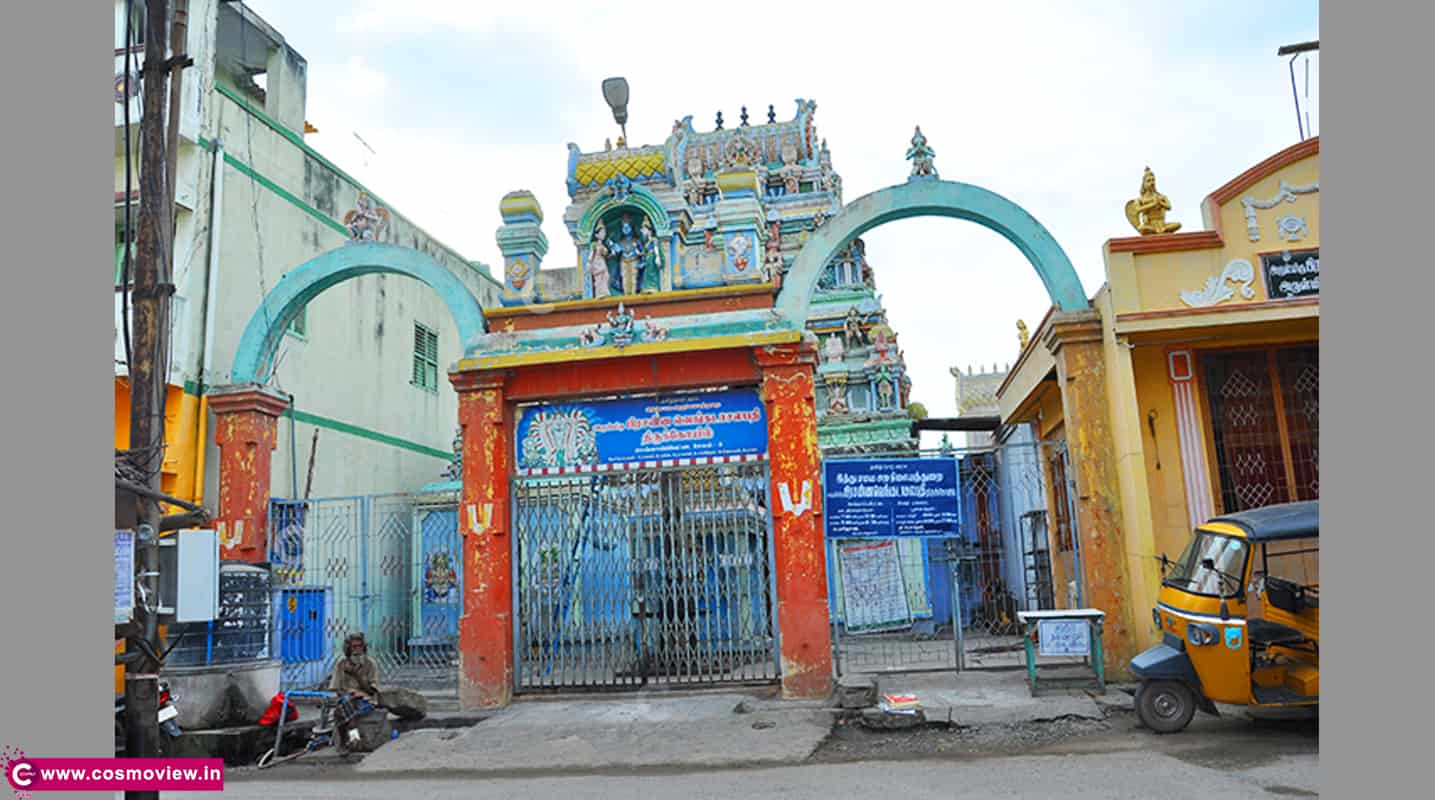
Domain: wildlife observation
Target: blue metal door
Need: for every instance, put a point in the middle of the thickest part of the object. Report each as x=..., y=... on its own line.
x=441, y=580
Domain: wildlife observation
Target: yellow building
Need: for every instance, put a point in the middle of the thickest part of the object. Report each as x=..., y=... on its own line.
x=1211, y=371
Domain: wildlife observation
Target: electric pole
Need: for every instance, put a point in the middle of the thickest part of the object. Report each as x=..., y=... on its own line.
x=148, y=375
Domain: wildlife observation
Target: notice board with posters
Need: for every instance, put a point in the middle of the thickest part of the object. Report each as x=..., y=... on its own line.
x=886, y=498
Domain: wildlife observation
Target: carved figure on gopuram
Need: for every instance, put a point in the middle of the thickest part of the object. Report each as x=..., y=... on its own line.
x=791, y=170
x=921, y=155
x=650, y=265
x=598, y=263
x=625, y=253
x=694, y=184
x=772, y=258
x=852, y=329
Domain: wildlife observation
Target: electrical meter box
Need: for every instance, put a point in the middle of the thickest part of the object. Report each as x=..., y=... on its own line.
x=189, y=576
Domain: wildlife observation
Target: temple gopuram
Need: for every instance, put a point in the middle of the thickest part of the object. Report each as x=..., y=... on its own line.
x=728, y=207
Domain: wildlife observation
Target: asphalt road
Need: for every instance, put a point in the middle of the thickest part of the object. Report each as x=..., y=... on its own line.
x=1200, y=771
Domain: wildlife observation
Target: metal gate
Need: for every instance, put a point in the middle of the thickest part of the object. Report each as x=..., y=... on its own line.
x=346, y=564
x=932, y=604
x=644, y=577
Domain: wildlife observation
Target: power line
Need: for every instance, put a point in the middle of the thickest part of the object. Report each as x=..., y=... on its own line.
x=253, y=181
x=129, y=188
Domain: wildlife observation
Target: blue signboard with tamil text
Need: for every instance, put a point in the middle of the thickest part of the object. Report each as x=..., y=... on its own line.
x=635, y=430
x=891, y=497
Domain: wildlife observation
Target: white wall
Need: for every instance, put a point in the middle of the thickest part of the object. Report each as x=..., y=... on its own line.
x=354, y=364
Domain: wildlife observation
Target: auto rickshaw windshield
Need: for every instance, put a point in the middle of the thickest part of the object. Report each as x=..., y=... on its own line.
x=1228, y=555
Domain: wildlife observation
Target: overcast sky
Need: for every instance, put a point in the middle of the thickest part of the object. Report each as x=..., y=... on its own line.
x=1058, y=106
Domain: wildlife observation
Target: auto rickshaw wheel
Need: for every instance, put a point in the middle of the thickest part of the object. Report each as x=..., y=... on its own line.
x=1165, y=706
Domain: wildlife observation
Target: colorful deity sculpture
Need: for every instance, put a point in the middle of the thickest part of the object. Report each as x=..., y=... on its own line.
x=772, y=257
x=837, y=397
x=852, y=329
x=695, y=185
x=791, y=171
x=882, y=341
x=884, y=390
x=650, y=265
x=621, y=326
x=833, y=351
x=366, y=222
x=738, y=248
x=598, y=263
x=1147, y=213
x=921, y=155
x=624, y=256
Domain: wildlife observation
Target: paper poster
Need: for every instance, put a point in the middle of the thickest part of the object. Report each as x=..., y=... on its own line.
x=875, y=595
x=124, y=576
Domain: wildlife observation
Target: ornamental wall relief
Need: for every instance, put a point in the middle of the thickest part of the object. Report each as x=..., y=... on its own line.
x=1218, y=289
x=1286, y=194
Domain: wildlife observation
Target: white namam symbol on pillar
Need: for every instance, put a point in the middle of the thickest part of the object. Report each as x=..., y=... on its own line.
x=804, y=504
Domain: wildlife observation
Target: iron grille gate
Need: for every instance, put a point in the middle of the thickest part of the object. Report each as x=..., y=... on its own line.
x=931, y=604
x=364, y=564
x=644, y=577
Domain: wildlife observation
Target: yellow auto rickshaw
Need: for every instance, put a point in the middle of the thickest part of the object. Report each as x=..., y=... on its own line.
x=1239, y=612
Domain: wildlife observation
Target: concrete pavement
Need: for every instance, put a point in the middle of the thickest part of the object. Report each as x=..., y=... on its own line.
x=698, y=745
x=675, y=730
x=993, y=698
x=615, y=733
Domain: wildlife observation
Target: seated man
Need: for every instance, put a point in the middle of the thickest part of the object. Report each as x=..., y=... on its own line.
x=356, y=680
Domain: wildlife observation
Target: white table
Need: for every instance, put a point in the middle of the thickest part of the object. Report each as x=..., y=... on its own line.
x=1094, y=619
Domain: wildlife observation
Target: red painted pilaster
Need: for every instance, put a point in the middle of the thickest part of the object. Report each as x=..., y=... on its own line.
x=246, y=425
x=1075, y=339
x=802, y=615
x=485, y=629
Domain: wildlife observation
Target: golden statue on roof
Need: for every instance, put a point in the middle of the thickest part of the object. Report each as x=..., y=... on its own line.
x=1147, y=213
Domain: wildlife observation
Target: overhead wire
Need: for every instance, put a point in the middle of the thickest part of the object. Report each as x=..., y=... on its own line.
x=254, y=184
x=129, y=188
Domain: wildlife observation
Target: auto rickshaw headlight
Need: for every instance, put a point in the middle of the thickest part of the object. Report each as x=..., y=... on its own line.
x=1200, y=635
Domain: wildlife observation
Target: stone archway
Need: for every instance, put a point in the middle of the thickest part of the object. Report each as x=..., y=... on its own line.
x=255, y=356
x=1074, y=337
x=247, y=410
x=931, y=198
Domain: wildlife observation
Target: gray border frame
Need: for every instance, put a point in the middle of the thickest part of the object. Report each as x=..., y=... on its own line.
x=1376, y=173
x=56, y=433
x=58, y=491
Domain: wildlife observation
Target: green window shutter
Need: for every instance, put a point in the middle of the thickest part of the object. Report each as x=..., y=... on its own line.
x=425, y=363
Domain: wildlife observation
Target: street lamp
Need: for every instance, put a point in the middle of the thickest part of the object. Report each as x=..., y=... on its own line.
x=1294, y=51
x=615, y=92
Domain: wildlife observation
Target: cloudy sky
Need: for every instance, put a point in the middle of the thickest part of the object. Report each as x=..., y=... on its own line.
x=1056, y=105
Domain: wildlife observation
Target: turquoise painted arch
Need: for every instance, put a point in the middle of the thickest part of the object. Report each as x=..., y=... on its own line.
x=931, y=198
x=255, y=357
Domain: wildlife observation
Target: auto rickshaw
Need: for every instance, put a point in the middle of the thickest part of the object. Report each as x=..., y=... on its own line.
x=1239, y=612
